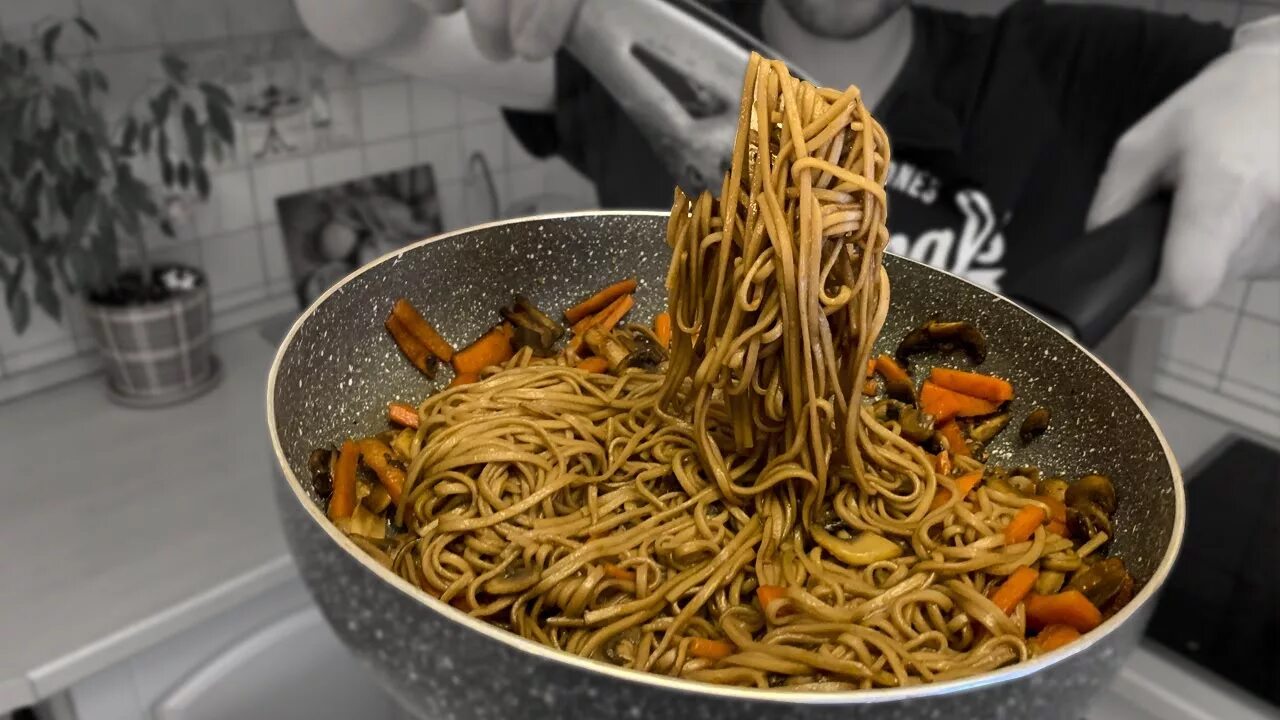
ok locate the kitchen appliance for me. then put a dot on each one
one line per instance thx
(336, 370)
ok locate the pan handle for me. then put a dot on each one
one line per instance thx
(1091, 284)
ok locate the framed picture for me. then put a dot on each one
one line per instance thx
(330, 231)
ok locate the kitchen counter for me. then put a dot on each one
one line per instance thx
(120, 528)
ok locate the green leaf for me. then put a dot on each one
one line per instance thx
(144, 137)
(202, 182)
(66, 106)
(88, 151)
(47, 295)
(194, 132)
(49, 41)
(160, 106)
(81, 216)
(87, 27)
(129, 136)
(166, 171)
(215, 95)
(184, 175)
(221, 122)
(175, 67)
(13, 239)
(162, 143)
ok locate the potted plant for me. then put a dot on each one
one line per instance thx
(71, 200)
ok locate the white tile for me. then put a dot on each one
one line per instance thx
(475, 110)
(390, 155)
(192, 20)
(1244, 415)
(443, 151)
(453, 207)
(517, 156)
(486, 139)
(123, 23)
(384, 110)
(336, 167)
(1217, 11)
(1252, 395)
(274, 180)
(1232, 294)
(230, 204)
(15, 385)
(1264, 299)
(233, 262)
(1191, 373)
(435, 106)
(107, 695)
(370, 71)
(523, 188)
(45, 340)
(1201, 338)
(258, 17)
(277, 264)
(1256, 11)
(1255, 355)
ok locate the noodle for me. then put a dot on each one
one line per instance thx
(621, 517)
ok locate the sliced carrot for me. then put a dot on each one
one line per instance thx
(377, 455)
(710, 649)
(600, 300)
(987, 387)
(617, 572)
(869, 388)
(412, 348)
(1057, 508)
(942, 463)
(1070, 608)
(1014, 589)
(1057, 528)
(421, 329)
(944, 404)
(662, 328)
(769, 594)
(492, 348)
(955, 439)
(1055, 636)
(402, 414)
(891, 370)
(606, 319)
(1024, 524)
(464, 379)
(965, 484)
(593, 365)
(871, 367)
(343, 500)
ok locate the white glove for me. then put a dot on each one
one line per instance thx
(529, 29)
(1216, 141)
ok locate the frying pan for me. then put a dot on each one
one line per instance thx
(336, 369)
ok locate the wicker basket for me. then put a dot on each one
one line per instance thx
(156, 353)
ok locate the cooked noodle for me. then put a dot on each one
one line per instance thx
(620, 518)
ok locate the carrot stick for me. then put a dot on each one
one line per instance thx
(412, 348)
(710, 649)
(492, 348)
(869, 388)
(343, 500)
(1057, 508)
(1014, 589)
(600, 300)
(412, 320)
(955, 439)
(402, 414)
(1055, 636)
(987, 387)
(1070, 608)
(871, 367)
(606, 319)
(944, 404)
(662, 328)
(464, 379)
(942, 463)
(965, 484)
(377, 455)
(593, 365)
(769, 594)
(1057, 528)
(1023, 524)
(618, 572)
(891, 370)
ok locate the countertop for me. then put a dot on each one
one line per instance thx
(120, 528)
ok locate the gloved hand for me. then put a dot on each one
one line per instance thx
(529, 29)
(1216, 141)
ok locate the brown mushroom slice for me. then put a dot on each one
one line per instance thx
(917, 425)
(1087, 519)
(944, 336)
(320, 465)
(531, 327)
(1093, 488)
(1034, 425)
(1100, 581)
(987, 429)
(1054, 487)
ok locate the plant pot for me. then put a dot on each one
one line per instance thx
(156, 352)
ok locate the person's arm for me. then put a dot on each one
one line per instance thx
(471, 46)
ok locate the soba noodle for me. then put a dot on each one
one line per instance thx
(625, 518)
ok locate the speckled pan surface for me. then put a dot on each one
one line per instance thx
(336, 370)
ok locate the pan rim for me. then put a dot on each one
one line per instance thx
(818, 698)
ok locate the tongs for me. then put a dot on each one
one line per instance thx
(676, 69)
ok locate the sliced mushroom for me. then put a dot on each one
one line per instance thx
(985, 431)
(944, 336)
(320, 464)
(900, 389)
(917, 425)
(1055, 488)
(1034, 425)
(645, 353)
(1049, 582)
(866, 548)
(378, 500)
(1086, 519)
(532, 327)
(605, 345)
(1093, 488)
(1100, 581)
(1122, 597)
(516, 579)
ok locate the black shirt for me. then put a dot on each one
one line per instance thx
(1000, 126)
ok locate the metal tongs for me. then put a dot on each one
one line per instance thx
(676, 69)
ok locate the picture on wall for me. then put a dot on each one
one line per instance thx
(330, 231)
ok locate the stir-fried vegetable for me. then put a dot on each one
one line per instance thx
(412, 321)
(711, 649)
(662, 329)
(594, 365)
(1054, 637)
(343, 500)
(402, 414)
(492, 348)
(1070, 608)
(987, 387)
(600, 300)
(377, 455)
(897, 383)
(944, 404)
(964, 485)
(1024, 524)
(411, 346)
(1014, 589)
